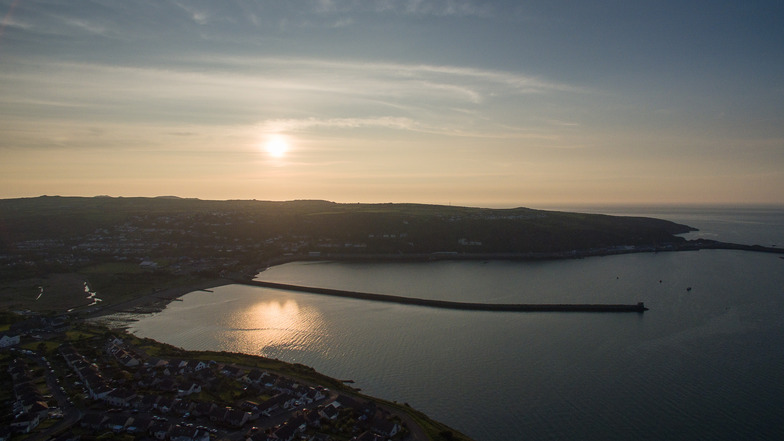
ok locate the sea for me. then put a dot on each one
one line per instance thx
(706, 361)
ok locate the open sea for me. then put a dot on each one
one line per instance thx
(702, 363)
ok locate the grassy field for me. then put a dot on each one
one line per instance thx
(113, 283)
(109, 268)
(53, 293)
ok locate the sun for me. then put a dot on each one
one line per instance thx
(277, 146)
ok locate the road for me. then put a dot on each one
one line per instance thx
(71, 414)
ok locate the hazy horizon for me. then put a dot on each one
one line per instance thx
(491, 104)
(592, 206)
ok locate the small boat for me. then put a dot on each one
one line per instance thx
(688, 289)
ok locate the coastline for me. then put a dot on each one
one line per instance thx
(692, 245)
(156, 301)
(204, 286)
(421, 426)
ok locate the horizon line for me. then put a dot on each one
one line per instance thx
(496, 205)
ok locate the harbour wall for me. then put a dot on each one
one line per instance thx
(444, 304)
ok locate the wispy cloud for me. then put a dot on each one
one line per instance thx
(444, 128)
(82, 23)
(8, 18)
(295, 125)
(86, 25)
(13, 22)
(286, 95)
(198, 16)
(435, 74)
(404, 85)
(461, 8)
(560, 123)
(343, 22)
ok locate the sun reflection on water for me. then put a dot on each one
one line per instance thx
(268, 327)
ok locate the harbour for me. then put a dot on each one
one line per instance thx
(698, 364)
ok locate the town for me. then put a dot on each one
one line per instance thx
(85, 382)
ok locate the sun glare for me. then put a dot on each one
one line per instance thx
(277, 146)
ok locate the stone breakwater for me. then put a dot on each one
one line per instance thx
(444, 304)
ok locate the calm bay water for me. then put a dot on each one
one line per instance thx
(701, 364)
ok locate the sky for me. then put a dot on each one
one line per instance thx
(480, 103)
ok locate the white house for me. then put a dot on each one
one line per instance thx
(194, 388)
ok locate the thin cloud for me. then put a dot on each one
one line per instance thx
(12, 22)
(440, 100)
(394, 123)
(58, 25)
(406, 86)
(326, 6)
(512, 81)
(343, 23)
(446, 8)
(560, 123)
(418, 8)
(198, 16)
(305, 124)
(87, 26)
